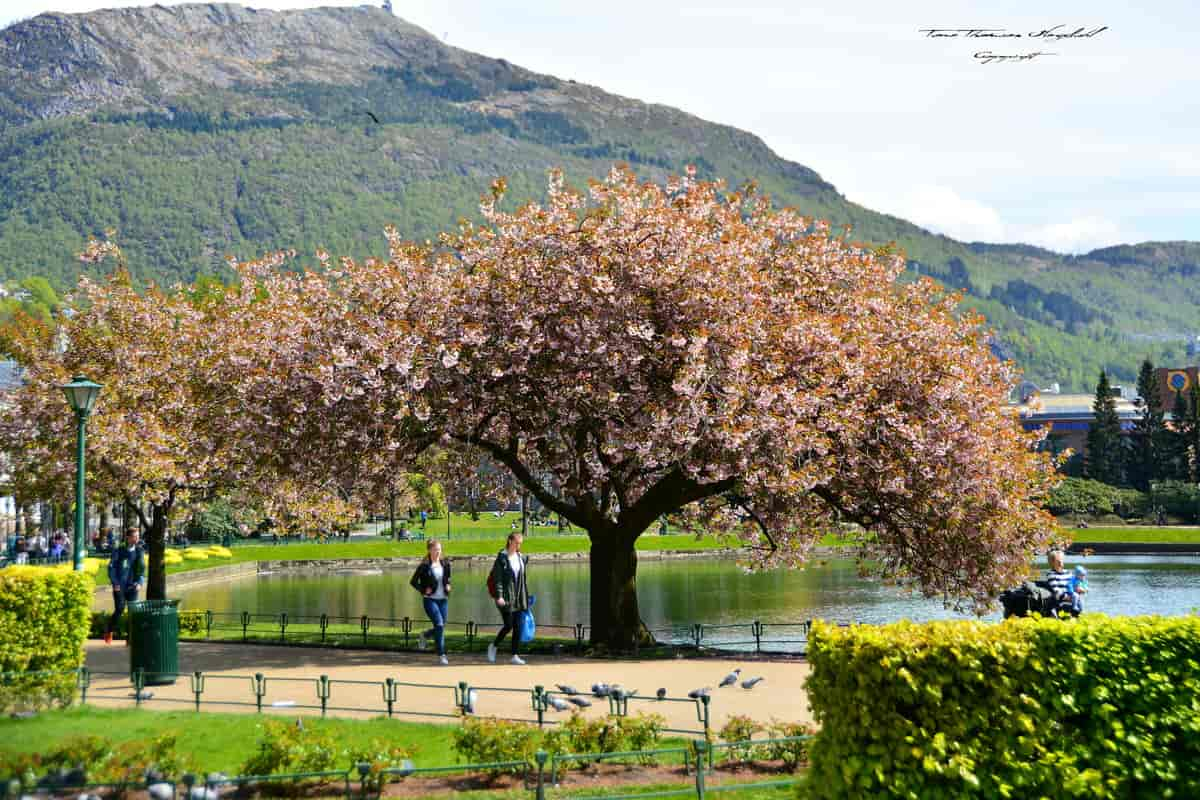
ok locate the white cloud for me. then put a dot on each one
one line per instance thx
(940, 209)
(1078, 235)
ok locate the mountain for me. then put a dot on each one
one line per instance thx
(199, 131)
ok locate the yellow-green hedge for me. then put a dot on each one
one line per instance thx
(1099, 707)
(45, 614)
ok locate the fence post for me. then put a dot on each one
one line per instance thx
(324, 626)
(700, 746)
(579, 638)
(704, 701)
(283, 626)
(407, 627)
(197, 686)
(245, 623)
(365, 625)
(83, 682)
(697, 633)
(757, 636)
(470, 635)
(323, 692)
(464, 698)
(539, 705)
(389, 694)
(258, 684)
(139, 682)
(208, 623)
(540, 755)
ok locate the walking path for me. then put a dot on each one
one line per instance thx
(292, 674)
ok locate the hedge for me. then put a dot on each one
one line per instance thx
(1099, 707)
(191, 624)
(44, 619)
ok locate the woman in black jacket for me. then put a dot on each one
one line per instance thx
(432, 580)
(511, 593)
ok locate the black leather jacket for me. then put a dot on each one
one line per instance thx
(423, 578)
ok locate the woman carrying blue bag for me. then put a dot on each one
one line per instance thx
(509, 586)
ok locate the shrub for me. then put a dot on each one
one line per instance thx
(95, 760)
(191, 623)
(611, 734)
(792, 754)
(380, 755)
(483, 740)
(291, 747)
(1098, 707)
(739, 728)
(44, 619)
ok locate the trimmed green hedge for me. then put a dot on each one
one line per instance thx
(1099, 707)
(44, 619)
(191, 624)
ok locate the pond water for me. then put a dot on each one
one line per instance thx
(674, 594)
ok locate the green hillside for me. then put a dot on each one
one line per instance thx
(204, 131)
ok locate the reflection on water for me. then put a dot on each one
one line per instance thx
(677, 593)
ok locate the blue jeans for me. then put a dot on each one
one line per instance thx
(120, 598)
(436, 611)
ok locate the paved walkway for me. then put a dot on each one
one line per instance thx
(292, 674)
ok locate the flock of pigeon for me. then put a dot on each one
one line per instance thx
(578, 698)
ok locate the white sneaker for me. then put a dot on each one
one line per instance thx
(492, 653)
(518, 660)
(445, 662)
(421, 643)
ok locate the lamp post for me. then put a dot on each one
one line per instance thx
(81, 394)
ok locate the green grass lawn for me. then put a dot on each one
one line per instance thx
(217, 742)
(1155, 535)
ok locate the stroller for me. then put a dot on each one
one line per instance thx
(1036, 597)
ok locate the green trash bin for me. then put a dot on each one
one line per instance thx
(154, 640)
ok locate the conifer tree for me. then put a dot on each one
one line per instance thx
(1103, 461)
(1175, 457)
(1149, 451)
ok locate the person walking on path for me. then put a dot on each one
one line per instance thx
(508, 585)
(425, 518)
(126, 573)
(432, 580)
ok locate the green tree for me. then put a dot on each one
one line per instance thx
(1149, 444)
(1175, 455)
(1103, 461)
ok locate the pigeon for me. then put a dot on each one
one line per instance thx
(696, 694)
(469, 706)
(750, 684)
(557, 704)
(730, 679)
(161, 791)
(661, 694)
(601, 689)
(582, 702)
(623, 694)
(569, 691)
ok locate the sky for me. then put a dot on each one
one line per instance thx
(1071, 143)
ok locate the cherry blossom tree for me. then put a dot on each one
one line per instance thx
(639, 350)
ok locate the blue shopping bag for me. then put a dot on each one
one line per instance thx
(525, 622)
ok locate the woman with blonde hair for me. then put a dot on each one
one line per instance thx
(432, 580)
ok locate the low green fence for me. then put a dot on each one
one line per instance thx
(361, 781)
(402, 633)
(462, 698)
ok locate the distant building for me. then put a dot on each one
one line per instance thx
(1172, 380)
(1068, 416)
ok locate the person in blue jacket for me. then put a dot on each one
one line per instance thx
(126, 573)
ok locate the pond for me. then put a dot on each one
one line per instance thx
(675, 594)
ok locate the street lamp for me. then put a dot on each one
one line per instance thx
(81, 394)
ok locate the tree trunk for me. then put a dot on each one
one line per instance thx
(156, 548)
(616, 623)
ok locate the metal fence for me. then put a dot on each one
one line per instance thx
(461, 699)
(360, 781)
(781, 638)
